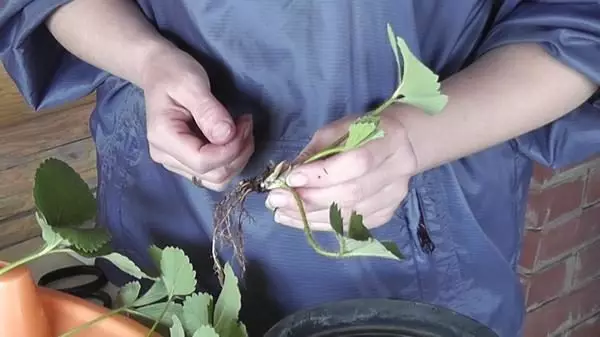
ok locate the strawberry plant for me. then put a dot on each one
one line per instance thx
(66, 214)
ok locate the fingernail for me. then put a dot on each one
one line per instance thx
(296, 180)
(247, 132)
(276, 200)
(221, 130)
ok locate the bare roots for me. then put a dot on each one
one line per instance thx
(229, 216)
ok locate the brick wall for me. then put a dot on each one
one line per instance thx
(560, 263)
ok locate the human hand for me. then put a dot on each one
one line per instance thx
(189, 132)
(371, 180)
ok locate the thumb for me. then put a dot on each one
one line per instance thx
(213, 120)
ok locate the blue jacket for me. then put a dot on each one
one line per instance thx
(297, 65)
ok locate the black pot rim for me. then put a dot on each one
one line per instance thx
(345, 313)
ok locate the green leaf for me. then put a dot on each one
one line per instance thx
(360, 242)
(228, 305)
(392, 247)
(335, 219)
(125, 264)
(156, 292)
(153, 311)
(357, 229)
(88, 240)
(176, 330)
(155, 255)
(420, 86)
(106, 249)
(197, 311)
(50, 237)
(205, 331)
(363, 130)
(62, 196)
(129, 293)
(241, 330)
(370, 248)
(392, 40)
(177, 271)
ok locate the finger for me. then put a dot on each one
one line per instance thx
(210, 115)
(201, 183)
(352, 193)
(287, 221)
(340, 168)
(220, 155)
(179, 171)
(226, 173)
(346, 194)
(374, 220)
(173, 136)
(379, 218)
(169, 162)
(389, 197)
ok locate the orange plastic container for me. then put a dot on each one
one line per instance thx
(27, 310)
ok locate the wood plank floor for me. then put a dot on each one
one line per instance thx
(26, 139)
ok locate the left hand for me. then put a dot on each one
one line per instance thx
(371, 180)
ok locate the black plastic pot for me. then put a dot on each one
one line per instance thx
(378, 318)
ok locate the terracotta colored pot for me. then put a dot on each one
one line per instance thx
(27, 310)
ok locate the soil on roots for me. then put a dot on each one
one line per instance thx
(230, 215)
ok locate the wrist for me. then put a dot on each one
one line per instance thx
(151, 53)
(399, 114)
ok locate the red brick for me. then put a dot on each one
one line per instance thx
(542, 174)
(525, 284)
(561, 239)
(589, 328)
(588, 299)
(548, 283)
(553, 202)
(564, 238)
(593, 187)
(529, 249)
(564, 312)
(590, 222)
(589, 263)
(547, 319)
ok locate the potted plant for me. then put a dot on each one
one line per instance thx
(66, 210)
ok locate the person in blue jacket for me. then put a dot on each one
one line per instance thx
(211, 91)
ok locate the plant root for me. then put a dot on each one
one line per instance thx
(229, 216)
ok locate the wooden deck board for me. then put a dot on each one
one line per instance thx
(14, 110)
(26, 139)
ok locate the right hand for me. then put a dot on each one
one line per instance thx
(189, 132)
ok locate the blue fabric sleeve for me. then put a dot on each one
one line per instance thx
(570, 31)
(45, 73)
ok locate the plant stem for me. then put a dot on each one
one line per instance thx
(138, 313)
(311, 240)
(327, 152)
(92, 322)
(162, 314)
(45, 250)
(337, 147)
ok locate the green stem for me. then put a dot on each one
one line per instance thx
(385, 105)
(325, 153)
(337, 147)
(162, 314)
(311, 240)
(138, 313)
(45, 250)
(92, 322)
